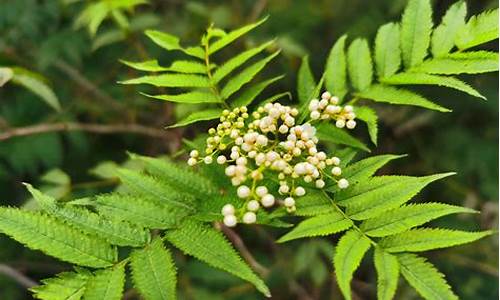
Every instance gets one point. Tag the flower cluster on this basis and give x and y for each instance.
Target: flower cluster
(268, 147)
(328, 108)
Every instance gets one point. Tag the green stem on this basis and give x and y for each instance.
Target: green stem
(213, 86)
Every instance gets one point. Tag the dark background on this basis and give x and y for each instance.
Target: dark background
(40, 36)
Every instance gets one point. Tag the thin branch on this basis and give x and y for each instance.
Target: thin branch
(94, 128)
(17, 276)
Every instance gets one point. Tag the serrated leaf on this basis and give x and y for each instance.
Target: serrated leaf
(210, 246)
(232, 36)
(425, 278)
(473, 62)
(359, 64)
(387, 268)
(170, 42)
(314, 203)
(305, 81)
(237, 61)
(320, 225)
(429, 79)
(387, 51)
(369, 116)
(443, 37)
(245, 76)
(424, 239)
(35, 83)
(365, 168)
(276, 97)
(138, 210)
(65, 286)
(479, 29)
(329, 133)
(248, 95)
(416, 27)
(392, 95)
(147, 65)
(189, 97)
(197, 116)
(348, 255)
(116, 233)
(336, 69)
(42, 232)
(171, 80)
(106, 284)
(375, 196)
(403, 218)
(154, 272)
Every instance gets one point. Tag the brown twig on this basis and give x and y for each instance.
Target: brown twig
(17, 276)
(94, 128)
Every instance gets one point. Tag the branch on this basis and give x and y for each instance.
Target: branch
(17, 276)
(94, 128)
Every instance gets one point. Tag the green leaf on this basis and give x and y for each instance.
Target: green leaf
(116, 233)
(392, 95)
(369, 116)
(138, 210)
(375, 196)
(478, 30)
(409, 216)
(5, 75)
(171, 80)
(359, 64)
(248, 95)
(147, 65)
(276, 97)
(336, 69)
(36, 84)
(416, 27)
(314, 203)
(428, 79)
(210, 246)
(170, 42)
(65, 286)
(387, 268)
(106, 284)
(329, 133)
(245, 76)
(424, 239)
(443, 37)
(320, 225)
(425, 278)
(387, 51)
(151, 187)
(237, 61)
(197, 116)
(473, 62)
(55, 238)
(154, 272)
(348, 255)
(364, 169)
(305, 81)
(189, 97)
(232, 36)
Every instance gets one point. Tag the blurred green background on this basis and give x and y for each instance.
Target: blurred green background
(83, 71)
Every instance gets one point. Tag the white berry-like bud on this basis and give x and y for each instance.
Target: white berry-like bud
(243, 191)
(323, 103)
(336, 171)
(283, 129)
(267, 200)
(261, 140)
(315, 115)
(334, 100)
(313, 105)
(289, 121)
(261, 191)
(194, 153)
(343, 183)
(289, 202)
(326, 95)
(227, 209)
(208, 160)
(253, 205)
(230, 221)
(351, 124)
(249, 217)
(336, 160)
(221, 159)
(348, 108)
(241, 161)
(340, 123)
(192, 161)
(300, 191)
(320, 184)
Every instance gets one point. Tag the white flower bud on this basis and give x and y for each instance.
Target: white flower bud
(261, 140)
(300, 168)
(313, 105)
(300, 191)
(320, 184)
(351, 124)
(230, 221)
(315, 115)
(227, 209)
(261, 191)
(289, 202)
(221, 159)
(194, 153)
(241, 161)
(238, 141)
(340, 123)
(192, 161)
(326, 95)
(260, 158)
(289, 121)
(267, 200)
(283, 129)
(208, 160)
(253, 205)
(284, 189)
(230, 170)
(243, 191)
(336, 171)
(249, 217)
(336, 160)
(334, 100)
(321, 155)
(323, 103)
(343, 183)
(348, 108)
